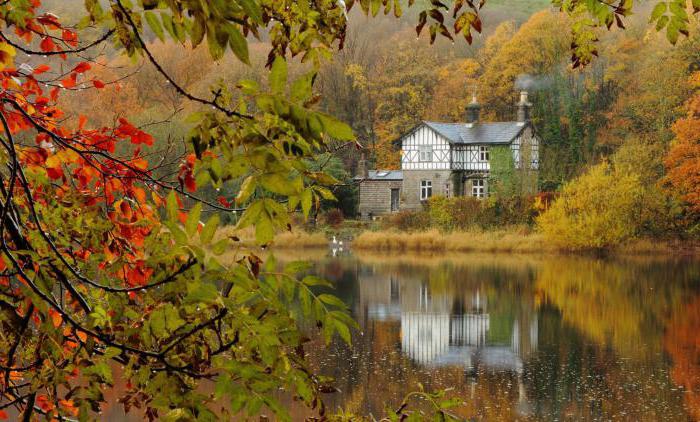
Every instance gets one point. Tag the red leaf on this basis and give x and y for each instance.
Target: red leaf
(70, 37)
(98, 84)
(47, 45)
(70, 81)
(82, 67)
(223, 201)
(41, 69)
(54, 173)
(54, 94)
(3, 415)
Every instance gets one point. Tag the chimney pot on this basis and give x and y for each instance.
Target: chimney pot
(523, 107)
(473, 110)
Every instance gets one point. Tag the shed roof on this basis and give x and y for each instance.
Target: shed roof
(478, 133)
(383, 175)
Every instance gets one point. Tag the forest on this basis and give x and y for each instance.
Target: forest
(154, 151)
(630, 112)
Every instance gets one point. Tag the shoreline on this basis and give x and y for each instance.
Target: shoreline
(513, 240)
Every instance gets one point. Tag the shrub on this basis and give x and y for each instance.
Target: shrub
(407, 220)
(334, 217)
(598, 210)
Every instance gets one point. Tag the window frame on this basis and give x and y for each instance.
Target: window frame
(479, 188)
(484, 154)
(428, 151)
(426, 189)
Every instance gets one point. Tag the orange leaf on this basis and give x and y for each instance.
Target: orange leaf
(81, 335)
(56, 318)
(70, 81)
(81, 121)
(42, 69)
(82, 67)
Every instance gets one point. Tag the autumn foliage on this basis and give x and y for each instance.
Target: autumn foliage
(683, 159)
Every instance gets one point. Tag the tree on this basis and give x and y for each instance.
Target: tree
(596, 211)
(683, 159)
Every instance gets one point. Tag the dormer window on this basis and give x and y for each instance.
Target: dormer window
(483, 154)
(425, 153)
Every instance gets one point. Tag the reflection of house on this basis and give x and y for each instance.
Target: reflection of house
(446, 327)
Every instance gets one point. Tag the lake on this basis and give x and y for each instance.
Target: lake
(519, 338)
(514, 337)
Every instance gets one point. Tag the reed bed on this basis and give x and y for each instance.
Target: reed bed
(511, 241)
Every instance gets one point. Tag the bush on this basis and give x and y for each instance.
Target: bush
(334, 217)
(408, 220)
(598, 210)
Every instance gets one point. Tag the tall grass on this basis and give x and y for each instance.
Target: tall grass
(507, 240)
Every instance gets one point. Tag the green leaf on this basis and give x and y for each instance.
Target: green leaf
(280, 183)
(335, 128)
(247, 189)
(264, 229)
(209, 229)
(154, 24)
(331, 300)
(658, 11)
(302, 87)
(193, 219)
(250, 215)
(252, 9)
(306, 199)
(278, 76)
(173, 207)
(238, 44)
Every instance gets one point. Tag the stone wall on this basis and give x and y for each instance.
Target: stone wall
(375, 196)
(410, 195)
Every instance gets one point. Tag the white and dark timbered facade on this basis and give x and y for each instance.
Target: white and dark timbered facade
(448, 159)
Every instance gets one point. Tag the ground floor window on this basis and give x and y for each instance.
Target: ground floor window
(426, 189)
(478, 188)
(447, 190)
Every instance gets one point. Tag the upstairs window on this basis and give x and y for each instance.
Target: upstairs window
(426, 189)
(483, 154)
(479, 188)
(425, 153)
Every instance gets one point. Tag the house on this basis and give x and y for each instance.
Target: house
(449, 159)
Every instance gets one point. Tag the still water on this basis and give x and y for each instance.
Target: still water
(519, 338)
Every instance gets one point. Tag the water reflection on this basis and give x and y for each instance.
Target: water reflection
(520, 338)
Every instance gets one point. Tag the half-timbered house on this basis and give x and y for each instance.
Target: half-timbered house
(448, 159)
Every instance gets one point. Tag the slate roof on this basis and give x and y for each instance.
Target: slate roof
(478, 133)
(384, 175)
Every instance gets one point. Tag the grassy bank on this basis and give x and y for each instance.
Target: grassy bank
(511, 240)
(515, 241)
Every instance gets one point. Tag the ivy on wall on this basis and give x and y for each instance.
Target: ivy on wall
(503, 177)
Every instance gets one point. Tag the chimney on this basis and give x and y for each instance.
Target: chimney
(473, 110)
(362, 171)
(524, 107)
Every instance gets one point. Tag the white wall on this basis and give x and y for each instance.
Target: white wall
(424, 136)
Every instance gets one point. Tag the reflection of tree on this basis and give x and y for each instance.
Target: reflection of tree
(682, 342)
(618, 304)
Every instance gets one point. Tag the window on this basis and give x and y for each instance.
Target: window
(447, 190)
(426, 189)
(479, 188)
(425, 153)
(483, 154)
